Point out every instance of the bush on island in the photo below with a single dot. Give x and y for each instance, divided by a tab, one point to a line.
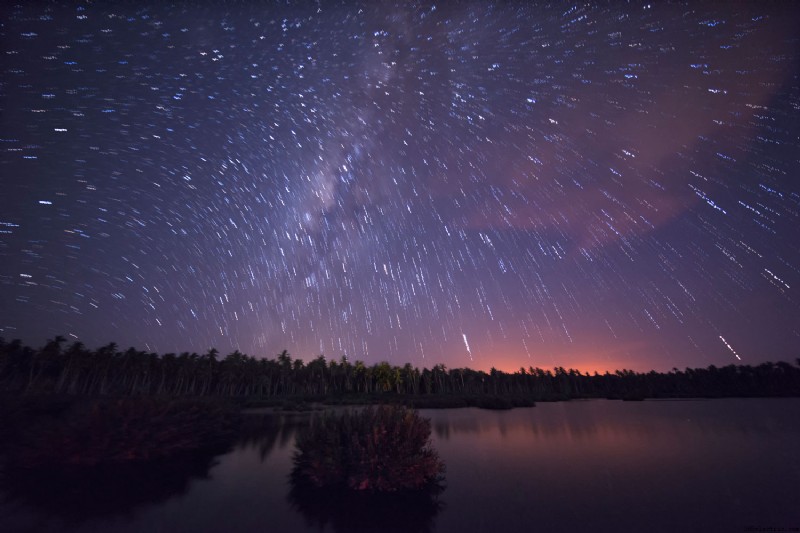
375	449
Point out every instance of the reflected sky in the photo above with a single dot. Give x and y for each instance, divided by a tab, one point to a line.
653	465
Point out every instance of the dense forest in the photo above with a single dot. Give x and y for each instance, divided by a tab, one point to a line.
74	370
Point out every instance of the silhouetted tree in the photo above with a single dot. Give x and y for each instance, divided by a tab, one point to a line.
106	371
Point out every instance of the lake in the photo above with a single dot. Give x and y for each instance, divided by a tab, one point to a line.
601	465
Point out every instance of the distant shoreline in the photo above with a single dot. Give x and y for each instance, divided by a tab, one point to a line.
74	371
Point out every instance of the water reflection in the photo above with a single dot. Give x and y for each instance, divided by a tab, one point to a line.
81	494
720	465
352	512
589	421
267	431
611	465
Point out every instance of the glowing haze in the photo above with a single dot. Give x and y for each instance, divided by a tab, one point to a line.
482	184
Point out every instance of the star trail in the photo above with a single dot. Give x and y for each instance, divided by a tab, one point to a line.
475	184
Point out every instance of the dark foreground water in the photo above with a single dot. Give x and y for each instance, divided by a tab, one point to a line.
721	465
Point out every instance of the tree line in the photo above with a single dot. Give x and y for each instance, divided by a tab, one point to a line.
58	368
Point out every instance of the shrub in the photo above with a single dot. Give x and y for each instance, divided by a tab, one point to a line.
126	430
376	449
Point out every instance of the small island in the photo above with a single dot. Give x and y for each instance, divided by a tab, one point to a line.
376	449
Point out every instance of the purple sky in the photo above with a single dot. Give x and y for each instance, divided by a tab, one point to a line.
475	185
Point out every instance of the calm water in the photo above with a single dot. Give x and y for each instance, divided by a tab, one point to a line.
721	465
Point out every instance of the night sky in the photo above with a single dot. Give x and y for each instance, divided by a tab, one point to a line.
474	184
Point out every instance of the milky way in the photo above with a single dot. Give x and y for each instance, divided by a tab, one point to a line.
474	184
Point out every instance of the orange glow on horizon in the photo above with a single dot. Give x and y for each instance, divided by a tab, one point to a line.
586	358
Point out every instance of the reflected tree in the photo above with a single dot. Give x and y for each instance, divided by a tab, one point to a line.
351	512
75	495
